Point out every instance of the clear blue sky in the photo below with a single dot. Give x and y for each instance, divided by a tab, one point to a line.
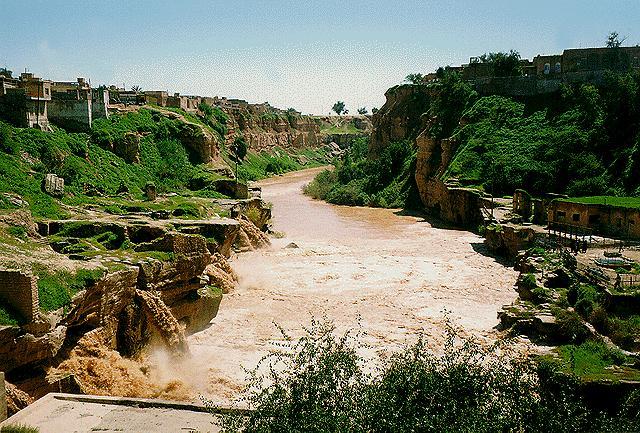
304	54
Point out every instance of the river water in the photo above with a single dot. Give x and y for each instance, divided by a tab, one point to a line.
394	275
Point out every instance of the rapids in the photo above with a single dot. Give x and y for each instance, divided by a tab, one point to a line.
392	274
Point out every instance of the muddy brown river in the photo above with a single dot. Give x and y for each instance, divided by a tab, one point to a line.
393	274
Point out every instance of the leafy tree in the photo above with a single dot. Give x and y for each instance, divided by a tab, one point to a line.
339	107
239	151
614	41
136	89
4	72
503	64
362	110
414	78
374	110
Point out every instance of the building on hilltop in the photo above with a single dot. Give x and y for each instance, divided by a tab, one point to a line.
24	101
74	105
31	102
546	73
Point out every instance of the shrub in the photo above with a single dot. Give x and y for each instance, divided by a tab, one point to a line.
55	290
319	383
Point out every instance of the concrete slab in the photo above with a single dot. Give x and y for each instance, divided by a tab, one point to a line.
69	413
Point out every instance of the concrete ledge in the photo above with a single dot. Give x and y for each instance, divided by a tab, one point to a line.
57	412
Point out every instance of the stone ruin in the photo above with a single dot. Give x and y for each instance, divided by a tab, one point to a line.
20	290
53	185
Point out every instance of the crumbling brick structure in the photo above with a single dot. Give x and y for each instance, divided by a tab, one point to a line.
20	290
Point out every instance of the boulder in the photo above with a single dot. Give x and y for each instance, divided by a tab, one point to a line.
53	185
150	191
128	148
19	349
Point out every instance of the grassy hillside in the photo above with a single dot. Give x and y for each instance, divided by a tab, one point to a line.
387	181
584	141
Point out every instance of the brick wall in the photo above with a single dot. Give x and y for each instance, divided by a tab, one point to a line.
20	291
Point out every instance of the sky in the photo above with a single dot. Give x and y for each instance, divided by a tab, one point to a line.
304	54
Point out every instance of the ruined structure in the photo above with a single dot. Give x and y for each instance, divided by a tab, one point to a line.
20	290
24	101
604	219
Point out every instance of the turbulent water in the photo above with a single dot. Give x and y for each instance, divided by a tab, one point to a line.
392	274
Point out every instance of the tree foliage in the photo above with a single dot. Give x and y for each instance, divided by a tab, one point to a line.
503	64
321	383
614	41
416	78
338	107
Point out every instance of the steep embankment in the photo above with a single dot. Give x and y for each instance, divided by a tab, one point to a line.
583	140
113	247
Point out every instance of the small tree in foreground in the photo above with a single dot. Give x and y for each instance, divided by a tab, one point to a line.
321	383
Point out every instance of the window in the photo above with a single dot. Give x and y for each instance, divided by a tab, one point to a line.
594	219
547	68
631	222
576	217
560	215
558	68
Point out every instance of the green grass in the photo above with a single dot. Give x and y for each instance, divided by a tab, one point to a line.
56	289
261	165
625	202
8	317
593	360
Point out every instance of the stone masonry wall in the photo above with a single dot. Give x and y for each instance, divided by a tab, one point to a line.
20	291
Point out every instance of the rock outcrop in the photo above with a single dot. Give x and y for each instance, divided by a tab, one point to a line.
53	185
401	117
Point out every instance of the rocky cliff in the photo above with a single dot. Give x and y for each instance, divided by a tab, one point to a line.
168	283
265	129
405	116
401	117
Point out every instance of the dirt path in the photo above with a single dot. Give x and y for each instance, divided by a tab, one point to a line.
395	274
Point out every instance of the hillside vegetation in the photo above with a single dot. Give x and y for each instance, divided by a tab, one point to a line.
92	166
583	141
386	181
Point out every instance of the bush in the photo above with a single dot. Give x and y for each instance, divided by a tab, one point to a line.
319	383
18	428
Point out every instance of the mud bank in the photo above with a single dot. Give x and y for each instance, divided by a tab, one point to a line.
393	274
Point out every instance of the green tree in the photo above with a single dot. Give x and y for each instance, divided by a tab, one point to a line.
339	107
503	64
362	110
614	41
414	78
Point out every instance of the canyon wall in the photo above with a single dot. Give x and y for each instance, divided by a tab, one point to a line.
405	116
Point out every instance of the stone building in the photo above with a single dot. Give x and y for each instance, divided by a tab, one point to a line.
608	220
156	97
24	101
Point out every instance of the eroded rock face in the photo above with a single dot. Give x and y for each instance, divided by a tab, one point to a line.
16	399
266	131
509	240
401	117
20	349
